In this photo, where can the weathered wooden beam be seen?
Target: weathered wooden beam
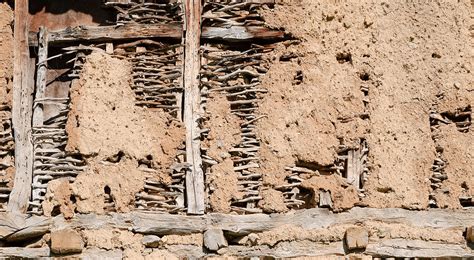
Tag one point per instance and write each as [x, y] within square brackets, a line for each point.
[22, 228]
[23, 252]
[417, 248]
[192, 101]
[41, 72]
[166, 31]
[23, 86]
[391, 248]
[18, 227]
[110, 33]
[241, 33]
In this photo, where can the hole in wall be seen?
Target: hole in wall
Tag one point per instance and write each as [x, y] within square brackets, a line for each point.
[364, 76]
[343, 57]
[435, 55]
[107, 190]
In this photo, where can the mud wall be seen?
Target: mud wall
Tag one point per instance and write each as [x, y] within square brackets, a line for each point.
[7, 169]
[372, 71]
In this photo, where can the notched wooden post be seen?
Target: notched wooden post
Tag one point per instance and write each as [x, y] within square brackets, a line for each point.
[194, 176]
[42, 69]
[23, 87]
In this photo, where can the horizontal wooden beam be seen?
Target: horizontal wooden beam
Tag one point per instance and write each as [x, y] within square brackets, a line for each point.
[17, 227]
[110, 33]
[23, 252]
[241, 33]
[400, 248]
[165, 31]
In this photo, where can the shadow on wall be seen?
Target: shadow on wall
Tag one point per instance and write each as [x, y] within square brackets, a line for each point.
[56, 14]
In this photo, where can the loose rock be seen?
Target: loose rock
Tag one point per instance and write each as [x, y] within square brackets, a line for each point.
[470, 234]
[151, 241]
[356, 238]
[214, 239]
[66, 241]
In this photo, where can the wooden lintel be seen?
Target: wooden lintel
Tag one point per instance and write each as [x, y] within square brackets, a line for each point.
[241, 33]
[41, 74]
[192, 100]
[165, 31]
[17, 227]
[21, 227]
[110, 33]
[23, 88]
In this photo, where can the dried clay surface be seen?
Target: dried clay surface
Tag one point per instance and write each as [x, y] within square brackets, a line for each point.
[6, 54]
[223, 135]
[460, 167]
[377, 231]
[115, 137]
[7, 169]
[368, 70]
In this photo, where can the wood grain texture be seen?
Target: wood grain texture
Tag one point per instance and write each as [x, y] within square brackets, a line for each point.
[192, 100]
[163, 224]
[23, 87]
[22, 252]
[164, 31]
[241, 34]
[42, 69]
[110, 33]
[20, 227]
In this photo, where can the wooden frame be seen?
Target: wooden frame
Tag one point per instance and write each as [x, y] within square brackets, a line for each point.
[19, 227]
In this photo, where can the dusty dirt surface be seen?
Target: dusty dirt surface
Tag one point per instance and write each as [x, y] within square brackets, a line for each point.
[224, 134]
[377, 231]
[223, 186]
[367, 70]
[343, 195]
[118, 181]
[58, 199]
[7, 169]
[6, 54]
[460, 167]
[114, 135]
[109, 239]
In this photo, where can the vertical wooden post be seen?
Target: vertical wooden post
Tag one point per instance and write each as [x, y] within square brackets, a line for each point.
[23, 87]
[354, 167]
[194, 176]
[42, 69]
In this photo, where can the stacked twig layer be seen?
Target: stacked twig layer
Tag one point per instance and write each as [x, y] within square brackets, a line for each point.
[231, 13]
[164, 198]
[237, 74]
[462, 118]
[146, 12]
[6, 155]
[157, 84]
[351, 164]
[157, 74]
[49, 141]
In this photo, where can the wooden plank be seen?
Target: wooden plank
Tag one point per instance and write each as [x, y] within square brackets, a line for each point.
[110, 33]
[23, 86]
[192, 101]
[42, 69]
[417, 248]
[23, 252]
[166, 31]
[353, 167]
[18, 227]
[388, 248]
[241, 34]
[385, 249]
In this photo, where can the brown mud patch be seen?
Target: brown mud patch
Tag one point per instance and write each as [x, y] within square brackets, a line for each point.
[366, 70]
[116, 137]
[224, 134]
